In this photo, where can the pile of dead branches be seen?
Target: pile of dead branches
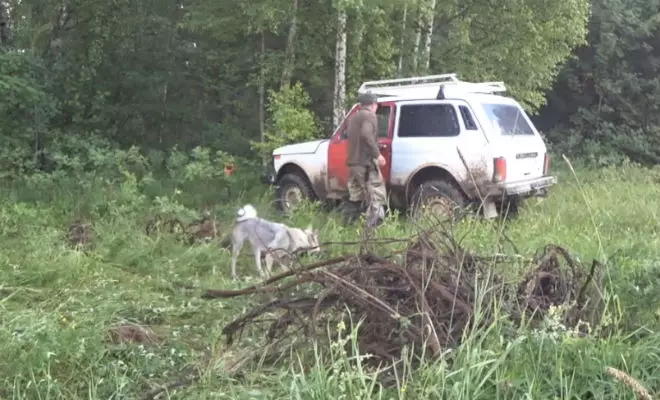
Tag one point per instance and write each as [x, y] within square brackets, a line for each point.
[203, 229]
[423, 297]
[80, 235]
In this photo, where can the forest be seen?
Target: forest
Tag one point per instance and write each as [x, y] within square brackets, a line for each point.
[118, 119]
[224, 76]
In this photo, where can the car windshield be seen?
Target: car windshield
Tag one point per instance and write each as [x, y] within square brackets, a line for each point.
[507, 119]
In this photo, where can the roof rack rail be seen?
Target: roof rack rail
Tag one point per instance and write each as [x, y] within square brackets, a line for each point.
[471, 87]
[403, 86]
[428, 87]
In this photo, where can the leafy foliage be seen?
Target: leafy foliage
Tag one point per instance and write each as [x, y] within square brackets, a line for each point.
[199, 73]
[604, 102]
[25, 110]
[523, 43]
[291, 120]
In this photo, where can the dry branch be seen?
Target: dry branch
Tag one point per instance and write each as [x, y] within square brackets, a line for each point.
[425, 303]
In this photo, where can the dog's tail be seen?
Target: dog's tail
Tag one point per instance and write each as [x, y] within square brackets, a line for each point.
[246, 212]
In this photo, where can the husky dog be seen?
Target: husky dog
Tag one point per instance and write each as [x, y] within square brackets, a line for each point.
[269, 237]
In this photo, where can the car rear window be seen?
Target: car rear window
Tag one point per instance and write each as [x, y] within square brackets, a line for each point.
[507, 119]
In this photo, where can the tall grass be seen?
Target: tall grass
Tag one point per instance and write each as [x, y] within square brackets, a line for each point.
[56, 304]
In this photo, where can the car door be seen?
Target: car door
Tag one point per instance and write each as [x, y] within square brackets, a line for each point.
[385, 114]
[428, 134]
[337, 177]
[338, 148]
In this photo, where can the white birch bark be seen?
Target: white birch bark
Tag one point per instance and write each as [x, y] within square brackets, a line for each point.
[5, 22]
[403, 41]
[340, 69]
[418, 40]
[290, 60]
[262, 89]
[429, 16]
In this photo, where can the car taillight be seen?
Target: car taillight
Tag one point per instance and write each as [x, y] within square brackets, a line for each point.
[276, 157]
[499, 172]
[546, 164]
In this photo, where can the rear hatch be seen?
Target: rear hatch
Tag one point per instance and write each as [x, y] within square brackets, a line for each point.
[515, 139]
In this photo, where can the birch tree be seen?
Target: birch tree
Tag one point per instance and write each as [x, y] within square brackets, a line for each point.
[290, 55]
[5, 23]
[418, 37]
[428, 16]
[339, 98]
[402, 42]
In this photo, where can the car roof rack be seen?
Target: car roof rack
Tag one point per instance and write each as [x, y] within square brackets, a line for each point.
[429, 87]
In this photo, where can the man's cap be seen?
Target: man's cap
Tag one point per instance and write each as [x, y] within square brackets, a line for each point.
[367, 99]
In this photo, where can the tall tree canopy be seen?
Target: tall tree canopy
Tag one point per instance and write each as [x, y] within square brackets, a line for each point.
[202, 72]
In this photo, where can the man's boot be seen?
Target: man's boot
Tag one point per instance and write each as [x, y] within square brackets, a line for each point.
[352, 211]
[375, 216]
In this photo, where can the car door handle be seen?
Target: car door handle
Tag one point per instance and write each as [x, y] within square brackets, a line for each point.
[383, 146]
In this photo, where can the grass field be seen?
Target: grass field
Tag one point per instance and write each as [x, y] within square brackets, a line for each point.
[57, 304]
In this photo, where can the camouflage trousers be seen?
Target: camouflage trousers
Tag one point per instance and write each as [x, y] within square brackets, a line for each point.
[366, 185]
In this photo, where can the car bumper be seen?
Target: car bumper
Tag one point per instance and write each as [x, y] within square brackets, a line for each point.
[529, 188]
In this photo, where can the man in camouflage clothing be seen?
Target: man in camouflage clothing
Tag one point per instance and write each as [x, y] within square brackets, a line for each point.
[366, 188]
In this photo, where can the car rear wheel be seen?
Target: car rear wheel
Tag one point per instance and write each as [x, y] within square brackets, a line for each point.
[510, 207]
[292, 189]
[437, 199]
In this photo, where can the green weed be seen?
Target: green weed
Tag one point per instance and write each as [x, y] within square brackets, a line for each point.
[57, 303]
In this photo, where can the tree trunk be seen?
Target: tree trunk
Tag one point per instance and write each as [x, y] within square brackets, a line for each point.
[418, 40]
[5, 23]
[163, 114]
[429, 16]
[340, 69]
[403, 41]
[356, 67]
[290, 61]
[262, 88]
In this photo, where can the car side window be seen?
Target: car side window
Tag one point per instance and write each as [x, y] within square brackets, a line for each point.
[383, 115]
[428, 120]
[470, 125]
[343, 131]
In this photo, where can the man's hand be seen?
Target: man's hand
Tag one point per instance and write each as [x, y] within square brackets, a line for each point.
[381, 160]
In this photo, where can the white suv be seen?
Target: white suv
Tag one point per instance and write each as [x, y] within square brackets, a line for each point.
[443, 139]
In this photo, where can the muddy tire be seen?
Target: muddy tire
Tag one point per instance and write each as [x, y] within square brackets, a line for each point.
[510, 208]
[442, 198]
[291, 189]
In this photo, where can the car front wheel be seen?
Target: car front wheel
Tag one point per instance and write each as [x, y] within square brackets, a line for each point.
[291, 190]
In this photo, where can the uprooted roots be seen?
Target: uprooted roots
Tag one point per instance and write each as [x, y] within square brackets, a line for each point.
[80, 235]
[202, 229]
[422, 298]
[128, 332]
